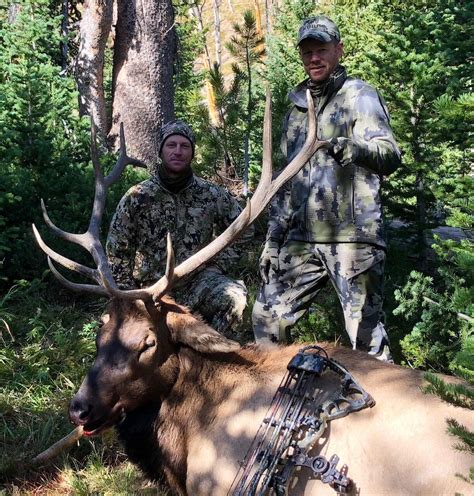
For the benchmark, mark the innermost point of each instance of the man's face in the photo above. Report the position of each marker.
(319, 58)
(176, 154)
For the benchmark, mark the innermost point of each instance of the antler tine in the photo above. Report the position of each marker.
(89, 288)
(310, 147)
(65, 262)
(167, 279)
(95, 154)
(266, 174)
(170, 261)
(74, 238)
(122, 161)
(262, 196)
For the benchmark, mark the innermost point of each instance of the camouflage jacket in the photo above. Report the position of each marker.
(326, 202)
(136, 243)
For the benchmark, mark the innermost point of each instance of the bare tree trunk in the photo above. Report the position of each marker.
(64, 34)
(421, 219)
(258, 18)
(416, 105)
(210, 96)
(94, 31)
(197, 12)
(249, 126)
(217, 31)
(268, 6)
(230, 6)
(142, 85)
(13, 11)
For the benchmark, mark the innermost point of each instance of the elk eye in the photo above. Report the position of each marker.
(148, 343)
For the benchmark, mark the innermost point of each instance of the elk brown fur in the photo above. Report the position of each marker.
(195, 402)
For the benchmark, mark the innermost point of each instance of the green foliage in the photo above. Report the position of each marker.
(246, 44)
(466, 437)
(247, 47)
(437, 333)
(44, 145)
(188, 81)
(42, 361)
(99, 476)
(418, 72)
(457, 394)
(462, 396)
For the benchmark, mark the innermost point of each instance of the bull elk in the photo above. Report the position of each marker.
(187, 402)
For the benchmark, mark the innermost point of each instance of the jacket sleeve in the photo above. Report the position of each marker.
(228, 209)
(372, 136)
(120, 245)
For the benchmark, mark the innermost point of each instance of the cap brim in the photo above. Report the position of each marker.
(317, 35)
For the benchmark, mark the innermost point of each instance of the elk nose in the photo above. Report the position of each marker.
(79, 411)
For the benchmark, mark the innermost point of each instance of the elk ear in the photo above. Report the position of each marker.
(190, 330)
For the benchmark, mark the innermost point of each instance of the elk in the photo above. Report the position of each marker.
(187, 402)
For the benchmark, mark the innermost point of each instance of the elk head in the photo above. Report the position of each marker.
(142, 328)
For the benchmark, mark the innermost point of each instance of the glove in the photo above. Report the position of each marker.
(343, 151)
(269, 258)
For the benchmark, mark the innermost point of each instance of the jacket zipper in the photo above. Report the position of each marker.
(353, 194)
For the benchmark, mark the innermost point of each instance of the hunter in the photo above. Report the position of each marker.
(175, 200)
(326, 223)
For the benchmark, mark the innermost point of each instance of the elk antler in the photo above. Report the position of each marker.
(90, 240)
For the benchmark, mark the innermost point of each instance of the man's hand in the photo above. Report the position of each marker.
(269, 258)
(343, 150)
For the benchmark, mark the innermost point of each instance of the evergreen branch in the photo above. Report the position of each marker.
(456, 394)
(459, 314)
(466, 437)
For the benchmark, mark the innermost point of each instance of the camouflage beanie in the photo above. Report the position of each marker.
(175, 127)
(319, 28)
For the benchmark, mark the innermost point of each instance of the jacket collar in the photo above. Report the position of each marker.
(330, 88)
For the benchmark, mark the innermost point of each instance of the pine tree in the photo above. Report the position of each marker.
(417, 63)
(247, 47)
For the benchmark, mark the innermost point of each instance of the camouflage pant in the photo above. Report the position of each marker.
(354, 269)
(217, 298)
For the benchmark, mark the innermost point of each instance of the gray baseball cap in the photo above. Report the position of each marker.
(319, 28)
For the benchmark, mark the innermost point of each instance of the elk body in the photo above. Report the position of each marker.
(194, 402)
(187, 402)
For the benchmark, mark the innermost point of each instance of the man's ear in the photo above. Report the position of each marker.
(190, 330)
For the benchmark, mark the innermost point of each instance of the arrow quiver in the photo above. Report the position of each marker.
(297, 418)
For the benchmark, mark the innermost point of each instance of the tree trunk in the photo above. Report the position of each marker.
(94, 31)
(13, 11)
(217, 30)
(64, 34)
(421, 219)
(142, 84)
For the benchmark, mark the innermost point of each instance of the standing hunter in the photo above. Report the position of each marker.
(194, 211)
(326, 224)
